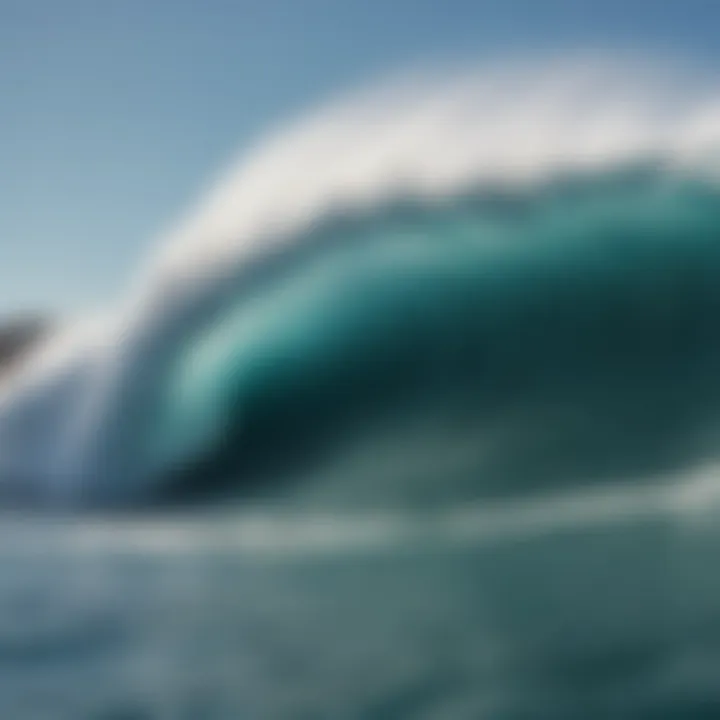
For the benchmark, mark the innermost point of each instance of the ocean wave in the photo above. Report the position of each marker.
(482, 284)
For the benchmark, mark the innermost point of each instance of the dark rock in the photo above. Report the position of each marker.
(19, 335)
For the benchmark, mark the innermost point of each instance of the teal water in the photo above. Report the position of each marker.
(514, 341)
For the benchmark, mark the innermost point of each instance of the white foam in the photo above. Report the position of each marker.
(688, 502)
(431, 136)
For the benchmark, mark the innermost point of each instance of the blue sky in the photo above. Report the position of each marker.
(115, 114)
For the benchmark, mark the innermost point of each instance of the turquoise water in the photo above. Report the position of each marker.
(567, 334)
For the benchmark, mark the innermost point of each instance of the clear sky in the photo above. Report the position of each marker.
(114, 114)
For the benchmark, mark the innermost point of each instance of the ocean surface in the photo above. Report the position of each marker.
(416, 416)
(571, 616)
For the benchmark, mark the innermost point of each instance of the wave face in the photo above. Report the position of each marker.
(454, 288)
